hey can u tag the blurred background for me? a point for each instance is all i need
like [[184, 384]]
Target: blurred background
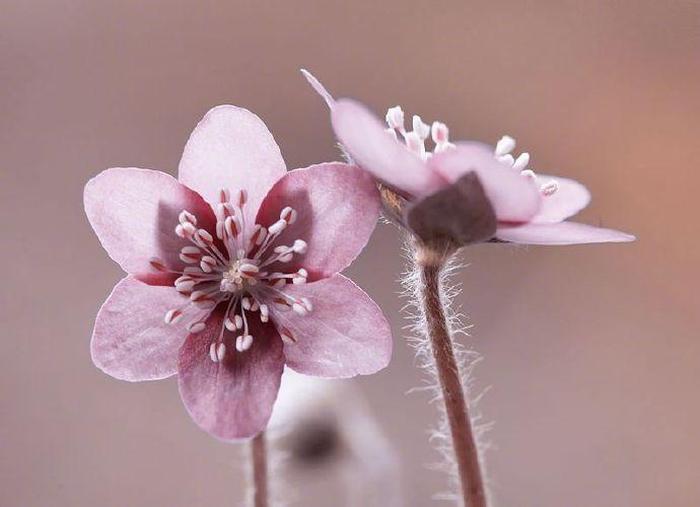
[[592, 353]]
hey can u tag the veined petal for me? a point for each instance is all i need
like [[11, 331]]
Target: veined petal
[[570, 198], [231, 148], [345, 334], [337, 209], [562, 233], [131, 341], [369, 145], [231, 399], [514, 197], [134, 213]]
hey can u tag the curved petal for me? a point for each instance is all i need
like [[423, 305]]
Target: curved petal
[[344, 335], [134, 213], [231, 148], [337, 208], [231, 399], [514, 197], [570, 198], [130, 340], [562, 233], [367, 142], [319, 88]]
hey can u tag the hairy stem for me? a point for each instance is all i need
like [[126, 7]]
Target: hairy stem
[[430, 265], [258, 458]]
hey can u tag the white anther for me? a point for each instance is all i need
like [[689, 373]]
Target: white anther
[[157, 264], [204, 236], [506, 159], [415, 144], [221, 351], [439, 133], [392, 133], [196, 327], [254, 306], [286, 257], [186, 217], [299, 246], [248, 269], [199, 295], [260, 235], [238, 321], [279, 283], [299, 308], [227, 285], [185, 230], [172, 316], [289, 215], [303, 272], [212, 352], [184, 286], [549, 188], [229, 324], [395, 118], [420, 128], [241, 197], [307, 304], [245, 303], [190, 254], [277, 227], [223, 210], [505, 145], [224, 195], [264, 313], [220, 229], [244, 342], [287, 336], [207, 263], [529, 173], [232, 226], [522, 161]]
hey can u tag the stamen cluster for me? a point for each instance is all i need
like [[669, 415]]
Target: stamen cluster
[[235, 269]]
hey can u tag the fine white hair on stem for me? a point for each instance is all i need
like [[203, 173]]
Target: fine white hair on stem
[[467, 359]]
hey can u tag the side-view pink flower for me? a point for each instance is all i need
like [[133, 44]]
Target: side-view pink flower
[[529, 208], [233, 272]]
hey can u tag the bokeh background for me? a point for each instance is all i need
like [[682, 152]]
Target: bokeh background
[[592, 352]]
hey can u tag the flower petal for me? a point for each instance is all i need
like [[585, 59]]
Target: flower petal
[[231, 399], [344, 335], [319, 88], [231, 148], [337, 209], [131, 341], [570, 198], [134, 213], [514, 197], [562, 233], [373, 149]]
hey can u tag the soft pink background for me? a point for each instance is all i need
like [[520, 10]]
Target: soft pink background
[[593, 352]]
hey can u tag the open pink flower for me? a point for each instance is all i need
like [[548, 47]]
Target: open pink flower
[[233, 273], [528, 208]]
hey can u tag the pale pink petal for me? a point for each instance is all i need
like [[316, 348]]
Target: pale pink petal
[[131, 341], [344, 335], [570, 198], [134, 213], [337, 209], [376, 151], [514, 197], [231, 399], [320, 89], [231, 148], [562, 233]]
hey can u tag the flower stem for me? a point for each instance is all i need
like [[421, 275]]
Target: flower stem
[[258, 457], [430, 265]]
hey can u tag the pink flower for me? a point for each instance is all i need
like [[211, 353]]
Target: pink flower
[[528, 208], [233, 273]]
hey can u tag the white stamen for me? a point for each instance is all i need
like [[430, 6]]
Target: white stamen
[[221, 351], [289, 215], [157, 264], [420, 128], [506, 159], [299, 246], [196, 327], [229, 324], [264, 313], [505, 145], [208, 263], [186, 217], [172, 316], [224, 195], [521, 162], [395, 118], [415, 144], [244, 342], [277, 227], [439, 133], [212, 352], [245, 303], [286, 335], [238, 321], [528, 173], [241, 197]]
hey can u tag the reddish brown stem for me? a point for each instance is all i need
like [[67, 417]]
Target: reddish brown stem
[[464, 445], [258, 457]]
